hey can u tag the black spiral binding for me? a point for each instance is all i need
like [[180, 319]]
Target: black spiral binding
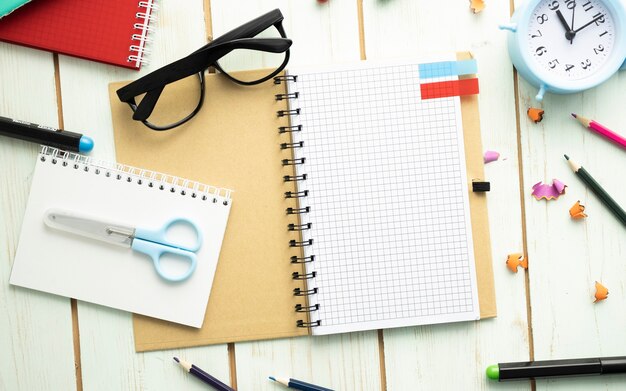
[[293, 95], [296, 194], [292, 162], [299, 227], [295, 259], [286, 129], [292, 112], [299, 144], [310, 308], [294, 178], [299, 195]]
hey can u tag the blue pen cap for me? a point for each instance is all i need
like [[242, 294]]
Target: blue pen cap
[[85, 144]]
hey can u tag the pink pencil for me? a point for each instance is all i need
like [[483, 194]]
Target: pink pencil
[[602, 130]]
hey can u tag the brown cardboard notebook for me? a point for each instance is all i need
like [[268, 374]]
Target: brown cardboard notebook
[[234, 143]]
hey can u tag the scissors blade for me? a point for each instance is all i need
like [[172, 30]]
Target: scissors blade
[[90, 227]]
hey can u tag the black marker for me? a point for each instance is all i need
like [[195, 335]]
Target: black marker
[[46, 135], [556, 368]]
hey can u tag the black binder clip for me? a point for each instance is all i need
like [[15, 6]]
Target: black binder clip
[[480, 186]]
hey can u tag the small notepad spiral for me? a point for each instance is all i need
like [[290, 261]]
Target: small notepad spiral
[[132, 175]]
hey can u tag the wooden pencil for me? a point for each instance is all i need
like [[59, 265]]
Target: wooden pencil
[[608, 201]]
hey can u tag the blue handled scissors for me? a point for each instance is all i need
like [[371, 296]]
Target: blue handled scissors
[[154, 243]]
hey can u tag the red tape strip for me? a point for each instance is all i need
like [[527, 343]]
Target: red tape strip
[[446, 89]]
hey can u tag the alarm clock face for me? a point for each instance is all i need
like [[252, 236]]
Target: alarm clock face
[[571, 40]]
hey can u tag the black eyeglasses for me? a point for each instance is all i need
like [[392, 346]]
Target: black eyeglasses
[[248, 43]]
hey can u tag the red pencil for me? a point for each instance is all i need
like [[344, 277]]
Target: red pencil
[[602, 130]]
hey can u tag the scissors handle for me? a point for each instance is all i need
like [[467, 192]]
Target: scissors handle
[[160, 235], [155, 243], [156, 251]]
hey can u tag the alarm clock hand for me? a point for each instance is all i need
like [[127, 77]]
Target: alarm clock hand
[[592, 22], [569, 33], [571, 39], [562, 20]]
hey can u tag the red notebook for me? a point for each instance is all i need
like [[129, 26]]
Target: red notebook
[[110, 31]]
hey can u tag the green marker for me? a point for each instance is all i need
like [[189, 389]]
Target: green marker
[[554, 368], [493, 372]]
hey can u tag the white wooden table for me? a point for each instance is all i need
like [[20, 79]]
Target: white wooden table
[[48, 343]]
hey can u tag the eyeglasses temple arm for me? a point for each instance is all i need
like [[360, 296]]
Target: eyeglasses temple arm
[[153, 83], [197, 62], [147, 104], [251, 28]]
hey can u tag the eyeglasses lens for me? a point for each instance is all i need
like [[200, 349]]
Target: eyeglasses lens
[[177, 101], [240, 60]]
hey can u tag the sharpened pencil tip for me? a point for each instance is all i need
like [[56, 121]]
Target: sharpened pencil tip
[[272, 378], [176, 359], [574, 115], [566, 157]]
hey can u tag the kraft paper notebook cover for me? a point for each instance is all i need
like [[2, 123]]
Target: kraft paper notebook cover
[[114, 32], [234, 143]]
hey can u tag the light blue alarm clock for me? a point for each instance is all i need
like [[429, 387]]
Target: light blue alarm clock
[[567, 46]]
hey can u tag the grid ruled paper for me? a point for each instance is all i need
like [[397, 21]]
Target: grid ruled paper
[[388, 198]]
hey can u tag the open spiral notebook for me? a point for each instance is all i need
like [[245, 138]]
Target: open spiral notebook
[[353, 209]]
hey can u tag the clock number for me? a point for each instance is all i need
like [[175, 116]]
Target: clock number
[[537, 35], [599, 18], [542, 18], [604, 33], [553, 6], [568, 67], [599, 49], [553, 63], [587, 6], [585, 64], [570, 4], [541, 50]]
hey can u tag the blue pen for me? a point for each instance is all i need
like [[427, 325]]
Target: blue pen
[[298, 384], [46, 135]]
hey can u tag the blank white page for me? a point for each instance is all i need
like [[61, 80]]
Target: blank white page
[[70, 265], [388, 197]]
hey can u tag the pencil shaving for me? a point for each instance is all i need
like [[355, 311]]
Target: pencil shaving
[[577, 211], [549, 192], [477, 5], [514, 261], [535, 114], [601, 292], [491, 156]]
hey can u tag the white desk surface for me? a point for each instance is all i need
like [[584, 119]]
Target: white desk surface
[[46, 344]]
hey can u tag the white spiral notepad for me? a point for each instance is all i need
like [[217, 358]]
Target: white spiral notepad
[[82, 268]]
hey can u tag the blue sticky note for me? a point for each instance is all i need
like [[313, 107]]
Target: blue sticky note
[[448, 68]]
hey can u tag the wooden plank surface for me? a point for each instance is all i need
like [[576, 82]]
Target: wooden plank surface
[[108, 356], [566, 256], [32, 324], [420, 355]]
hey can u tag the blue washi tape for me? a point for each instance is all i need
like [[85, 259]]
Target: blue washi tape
[[448, 68]]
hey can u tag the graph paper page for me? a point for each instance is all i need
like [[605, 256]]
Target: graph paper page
[[387, 191]]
